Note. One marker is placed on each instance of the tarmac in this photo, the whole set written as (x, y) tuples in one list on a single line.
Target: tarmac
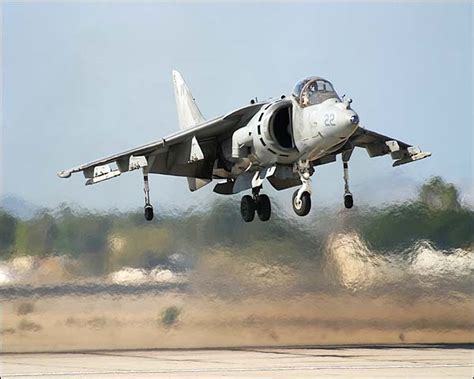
[(405, 361)]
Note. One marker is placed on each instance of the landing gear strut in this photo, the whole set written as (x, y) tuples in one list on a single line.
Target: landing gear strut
[(348, 199), (255, 203), (146, 188), (302, 197)]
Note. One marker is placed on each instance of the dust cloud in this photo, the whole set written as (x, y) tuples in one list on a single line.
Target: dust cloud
[(351, 296)]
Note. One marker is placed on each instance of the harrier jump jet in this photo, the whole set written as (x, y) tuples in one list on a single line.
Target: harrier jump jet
[(280, 140)]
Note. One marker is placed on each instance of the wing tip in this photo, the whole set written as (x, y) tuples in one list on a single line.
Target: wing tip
[(64, 174)]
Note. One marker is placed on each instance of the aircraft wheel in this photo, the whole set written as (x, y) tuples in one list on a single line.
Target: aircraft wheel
[(348, 201), (148, 212), (264, 208), (247, 208), (303, 206)]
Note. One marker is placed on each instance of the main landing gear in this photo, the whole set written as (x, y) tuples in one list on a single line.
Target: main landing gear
[(348, 199), (148, 207), (255, 203), (302, 197)]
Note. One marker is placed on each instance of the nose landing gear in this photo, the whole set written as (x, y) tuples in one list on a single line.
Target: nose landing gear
[(302, 197), (301, 204), (255, 203)]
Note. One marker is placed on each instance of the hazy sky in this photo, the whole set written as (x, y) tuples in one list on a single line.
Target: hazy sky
[(85, 80)]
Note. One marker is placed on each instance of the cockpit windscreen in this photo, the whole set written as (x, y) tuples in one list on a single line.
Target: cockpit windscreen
[(311, 91)]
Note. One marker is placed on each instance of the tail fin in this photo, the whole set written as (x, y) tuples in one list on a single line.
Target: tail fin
[(188, 116), (188, 112)]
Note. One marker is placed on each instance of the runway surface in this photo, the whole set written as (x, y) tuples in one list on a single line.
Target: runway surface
[(427, 361)]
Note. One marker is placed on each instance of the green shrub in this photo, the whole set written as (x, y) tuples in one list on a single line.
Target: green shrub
[(170, 316)]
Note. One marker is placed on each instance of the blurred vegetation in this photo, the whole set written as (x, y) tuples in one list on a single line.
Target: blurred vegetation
[(436, 215), (170, 316), (8, 227), (107, 242), (437, 194)]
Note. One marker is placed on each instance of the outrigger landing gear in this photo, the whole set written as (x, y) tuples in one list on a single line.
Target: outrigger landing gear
[(148, 207), (348, 199), (302, 197), (255, 203)]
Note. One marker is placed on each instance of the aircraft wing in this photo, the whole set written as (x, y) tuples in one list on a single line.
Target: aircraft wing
[(190, 152), (377, 144)]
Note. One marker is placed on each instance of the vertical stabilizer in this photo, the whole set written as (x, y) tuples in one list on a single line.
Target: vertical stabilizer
[(188, 116), (188, 112)]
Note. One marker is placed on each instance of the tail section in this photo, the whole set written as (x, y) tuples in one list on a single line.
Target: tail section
[(188, 112), (188, 116)]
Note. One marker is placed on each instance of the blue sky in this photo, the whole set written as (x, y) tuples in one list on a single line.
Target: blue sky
[(84, 80)]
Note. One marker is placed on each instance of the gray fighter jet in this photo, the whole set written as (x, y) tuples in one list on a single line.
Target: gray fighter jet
[(281, 140)]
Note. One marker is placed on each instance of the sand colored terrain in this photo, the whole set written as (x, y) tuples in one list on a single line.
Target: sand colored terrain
[(129, 322)]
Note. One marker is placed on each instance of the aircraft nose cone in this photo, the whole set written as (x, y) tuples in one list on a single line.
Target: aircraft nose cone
[(354, 119), (349, 122)]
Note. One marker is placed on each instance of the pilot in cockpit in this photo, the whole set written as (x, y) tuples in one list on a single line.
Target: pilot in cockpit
[(313, 90), (309, 93)]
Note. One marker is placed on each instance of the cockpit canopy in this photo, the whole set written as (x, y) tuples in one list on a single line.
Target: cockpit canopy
[(313, 90)]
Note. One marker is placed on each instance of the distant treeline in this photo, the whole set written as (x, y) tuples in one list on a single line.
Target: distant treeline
[(113, 240)]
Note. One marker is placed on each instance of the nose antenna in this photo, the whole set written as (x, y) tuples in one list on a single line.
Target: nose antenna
[(346, 101)]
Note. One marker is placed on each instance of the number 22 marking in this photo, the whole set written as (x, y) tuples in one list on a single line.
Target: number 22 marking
[(329, 119)]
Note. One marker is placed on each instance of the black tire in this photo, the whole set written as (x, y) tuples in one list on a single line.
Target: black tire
[(247, 208), (148, 212), (264, 208), (348, 201), (305, 206)]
